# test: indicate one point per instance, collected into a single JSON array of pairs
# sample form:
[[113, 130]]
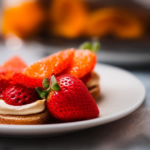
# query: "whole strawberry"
[[69, 99], [18, 95]]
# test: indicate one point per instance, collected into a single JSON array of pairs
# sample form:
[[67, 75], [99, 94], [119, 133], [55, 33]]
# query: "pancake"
[[93, 85], [95, 92], [35, 119]]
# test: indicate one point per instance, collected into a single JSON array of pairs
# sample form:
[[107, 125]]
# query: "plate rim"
[[86, 123]]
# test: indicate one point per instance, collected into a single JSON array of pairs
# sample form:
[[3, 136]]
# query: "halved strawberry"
[[18, 95]]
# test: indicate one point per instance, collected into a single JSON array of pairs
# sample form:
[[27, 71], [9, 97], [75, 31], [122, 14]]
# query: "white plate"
[[121, 94]]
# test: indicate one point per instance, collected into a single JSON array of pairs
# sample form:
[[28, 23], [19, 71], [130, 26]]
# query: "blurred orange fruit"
[[127, 25], [67, 17], [99, 22], [23, 20], [113, 21]]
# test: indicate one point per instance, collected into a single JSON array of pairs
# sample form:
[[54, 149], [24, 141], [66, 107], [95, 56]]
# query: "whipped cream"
[[28, 109]]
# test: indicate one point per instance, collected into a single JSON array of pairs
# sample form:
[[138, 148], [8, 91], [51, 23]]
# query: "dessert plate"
[[121, 94]]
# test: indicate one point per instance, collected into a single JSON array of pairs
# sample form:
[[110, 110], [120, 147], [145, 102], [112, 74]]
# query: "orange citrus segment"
[[55, 63], [82, 63]]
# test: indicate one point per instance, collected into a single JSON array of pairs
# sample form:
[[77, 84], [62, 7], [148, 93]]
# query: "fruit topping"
[[4, 83], [18, 95], [2, 71], [83, 63], [55, 63], [14, 64], [20, 78], [68, 99]]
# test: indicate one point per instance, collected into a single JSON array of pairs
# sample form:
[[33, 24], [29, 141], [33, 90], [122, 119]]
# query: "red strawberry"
[[4, 82], [3, 85], [18, 95], [27, 81], [69, 99]]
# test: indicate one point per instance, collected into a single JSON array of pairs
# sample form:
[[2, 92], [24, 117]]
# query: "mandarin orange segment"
[[82, 63], [55, 63], [14, 64]]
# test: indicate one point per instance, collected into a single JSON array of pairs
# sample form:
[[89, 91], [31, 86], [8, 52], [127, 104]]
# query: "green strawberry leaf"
[[54, 84], [95, 46], [42, 93], [45, 83], [86, 45]]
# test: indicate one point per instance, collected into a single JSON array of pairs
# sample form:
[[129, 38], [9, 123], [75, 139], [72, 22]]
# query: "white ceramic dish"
[[121, 94]]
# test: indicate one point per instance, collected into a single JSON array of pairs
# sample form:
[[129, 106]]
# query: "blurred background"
[[36, 28]]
